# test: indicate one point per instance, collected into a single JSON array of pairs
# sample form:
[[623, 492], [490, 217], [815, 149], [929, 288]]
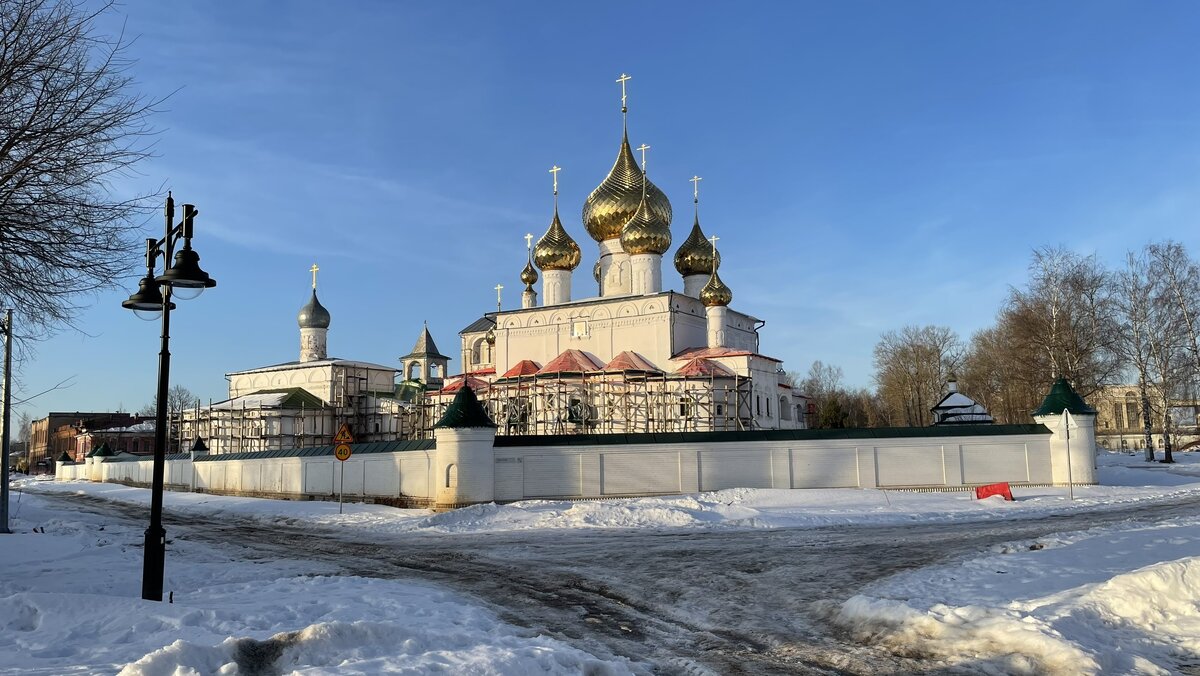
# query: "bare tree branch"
[[69, 126]]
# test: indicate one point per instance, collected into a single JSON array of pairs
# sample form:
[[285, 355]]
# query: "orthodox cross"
[[499, 288], [695, 188], [554, 170], [644, 148], [714, 239], [623, 79], [528, 242], [313, 270]]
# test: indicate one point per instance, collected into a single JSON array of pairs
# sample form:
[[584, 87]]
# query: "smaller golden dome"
[[490, 336], [556, 250], [646, 233], [529, 276], [596, 271], [695, 256], [615, 201], [715, 293]]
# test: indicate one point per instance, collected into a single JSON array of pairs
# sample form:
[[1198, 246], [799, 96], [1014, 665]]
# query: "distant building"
[[56, 434], [1119, 423], [136, 438], [957, 408]]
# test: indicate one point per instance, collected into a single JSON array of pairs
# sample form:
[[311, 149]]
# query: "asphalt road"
[[673, 602]]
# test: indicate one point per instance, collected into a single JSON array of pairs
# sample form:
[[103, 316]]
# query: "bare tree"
[[1179, 280], [911, 368], [1133, 294], [1065, 321], [179, 399], [997, 373], [70, 126]]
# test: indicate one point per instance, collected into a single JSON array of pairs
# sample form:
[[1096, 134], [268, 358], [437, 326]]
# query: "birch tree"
[[1133, 299], [1065, 320]]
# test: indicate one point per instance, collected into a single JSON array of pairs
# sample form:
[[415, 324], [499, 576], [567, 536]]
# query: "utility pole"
[[5, 418]]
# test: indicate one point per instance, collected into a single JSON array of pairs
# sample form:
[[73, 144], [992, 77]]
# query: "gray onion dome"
[[313, 315]]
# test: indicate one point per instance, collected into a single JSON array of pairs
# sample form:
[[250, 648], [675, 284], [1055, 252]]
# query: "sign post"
[[342, 452]]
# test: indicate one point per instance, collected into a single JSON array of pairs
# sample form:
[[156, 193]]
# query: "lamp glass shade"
[[186, 292]]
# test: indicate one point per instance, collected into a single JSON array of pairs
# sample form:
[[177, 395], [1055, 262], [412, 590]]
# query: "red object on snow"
[[989, 490]]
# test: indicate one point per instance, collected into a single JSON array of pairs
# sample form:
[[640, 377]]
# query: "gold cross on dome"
[[528, 241], [714, 239], [623, 79], [643, 148], [313, 270], [696, 187], [499, 288], [554, 170]]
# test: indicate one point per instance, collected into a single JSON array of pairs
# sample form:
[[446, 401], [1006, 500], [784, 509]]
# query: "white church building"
[[628, 353]]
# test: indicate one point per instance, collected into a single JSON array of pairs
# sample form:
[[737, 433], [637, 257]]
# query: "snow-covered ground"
[[1118, 600]]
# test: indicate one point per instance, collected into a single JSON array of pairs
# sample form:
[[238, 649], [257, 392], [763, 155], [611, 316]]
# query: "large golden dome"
[[556, 250], [645, 233], [715, 293], [614, 202], [695, 256]]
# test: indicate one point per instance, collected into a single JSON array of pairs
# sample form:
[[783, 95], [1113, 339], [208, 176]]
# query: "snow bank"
[[70, 603], [1065, 608]]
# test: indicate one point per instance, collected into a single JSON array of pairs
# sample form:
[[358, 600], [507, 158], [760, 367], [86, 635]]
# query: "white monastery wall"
[[483, 472]]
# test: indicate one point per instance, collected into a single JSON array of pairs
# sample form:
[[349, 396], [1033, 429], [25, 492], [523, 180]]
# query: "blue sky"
[[867, 165]]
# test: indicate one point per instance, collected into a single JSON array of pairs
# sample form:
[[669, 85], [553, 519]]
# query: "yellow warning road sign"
[[341, 452], [343, 435]]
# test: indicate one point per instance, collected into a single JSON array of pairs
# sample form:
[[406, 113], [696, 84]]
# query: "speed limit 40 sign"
[[342, 452]]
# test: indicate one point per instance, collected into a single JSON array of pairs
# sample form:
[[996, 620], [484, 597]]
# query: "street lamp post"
[[181, 277], [5, 419]]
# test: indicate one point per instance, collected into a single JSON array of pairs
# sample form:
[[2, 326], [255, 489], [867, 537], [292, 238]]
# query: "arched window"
[[414, 370], [477, 351], [768, 407], [451, 476], [785, 411]]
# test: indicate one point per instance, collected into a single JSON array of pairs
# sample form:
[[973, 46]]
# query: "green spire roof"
[[465, 411], [101, 451], [65, 457], [1063, 397]]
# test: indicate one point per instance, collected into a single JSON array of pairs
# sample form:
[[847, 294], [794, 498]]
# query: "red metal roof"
[[525, 367], [703, 367], [708, 352], [476, 384], [571, 361], [630, 361]]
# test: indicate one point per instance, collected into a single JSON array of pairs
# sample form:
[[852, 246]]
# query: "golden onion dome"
[[529, 275], [715, 293], [556, 250], [614, 202], [696, 256], [596, 272], [645, 233]]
